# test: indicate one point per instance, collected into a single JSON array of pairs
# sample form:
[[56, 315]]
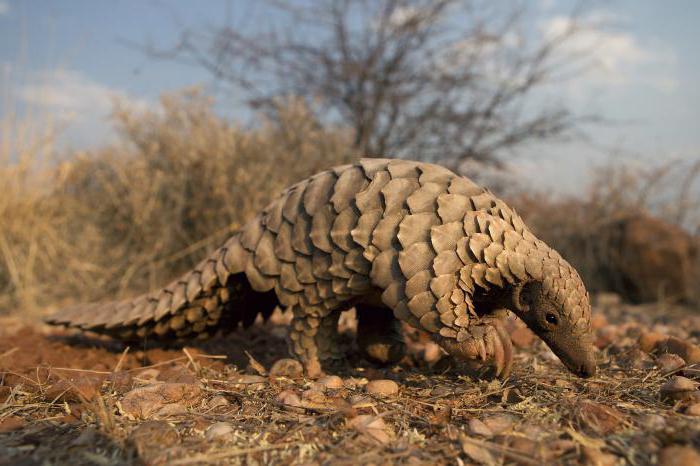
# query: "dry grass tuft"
[[129, 217]]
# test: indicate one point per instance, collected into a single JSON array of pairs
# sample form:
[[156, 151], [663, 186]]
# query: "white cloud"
[[618, 57], [4, 7], [76, 103]]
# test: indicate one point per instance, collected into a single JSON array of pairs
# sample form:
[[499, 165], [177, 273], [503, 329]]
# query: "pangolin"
[[400, 241]]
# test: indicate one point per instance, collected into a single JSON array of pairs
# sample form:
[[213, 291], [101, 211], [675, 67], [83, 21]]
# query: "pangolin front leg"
[[488, 342]]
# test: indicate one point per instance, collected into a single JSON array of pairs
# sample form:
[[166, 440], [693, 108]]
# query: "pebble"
[[151, 438], [383, 387], [11, 423], [151, 399], [652, 421], [149, 374], [170, 410], [250, 382], [499, 423], [678, 388], [218, 430], [598, 320], [218, 401], [289, 398], [675, 455], [668, 362], [287, 367], [693, 410], [477, 427], [331, 382], [441, 390], [686, 350], [649, 340], [314, 396]]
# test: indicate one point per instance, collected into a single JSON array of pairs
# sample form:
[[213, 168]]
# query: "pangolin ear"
[[524, 296]]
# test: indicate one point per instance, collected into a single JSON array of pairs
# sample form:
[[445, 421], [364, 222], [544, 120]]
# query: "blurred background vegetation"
[[396, 78]]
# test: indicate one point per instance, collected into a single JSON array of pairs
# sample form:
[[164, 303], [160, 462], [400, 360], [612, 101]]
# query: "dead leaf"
[[599, 418], [372, 427]]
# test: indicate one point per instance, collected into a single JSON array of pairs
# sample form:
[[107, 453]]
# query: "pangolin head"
[[557, 309]]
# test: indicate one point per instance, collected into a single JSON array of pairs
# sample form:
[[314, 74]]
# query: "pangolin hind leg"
[[379, 335], [314, 340]]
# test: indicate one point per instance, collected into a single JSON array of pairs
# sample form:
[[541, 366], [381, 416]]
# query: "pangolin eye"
[[551, 318]]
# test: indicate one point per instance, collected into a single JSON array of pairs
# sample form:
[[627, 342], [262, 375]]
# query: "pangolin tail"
[[196, 305]]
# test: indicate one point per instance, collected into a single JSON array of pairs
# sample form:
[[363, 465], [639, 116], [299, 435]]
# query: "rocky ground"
[[72, 400]]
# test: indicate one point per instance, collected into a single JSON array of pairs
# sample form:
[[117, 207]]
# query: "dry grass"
[[541, 415], [130, 217]]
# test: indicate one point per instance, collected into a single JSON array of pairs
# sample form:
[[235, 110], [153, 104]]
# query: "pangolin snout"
[[581, 362]]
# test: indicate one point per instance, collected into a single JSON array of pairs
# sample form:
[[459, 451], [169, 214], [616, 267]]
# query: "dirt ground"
[[67, 399]]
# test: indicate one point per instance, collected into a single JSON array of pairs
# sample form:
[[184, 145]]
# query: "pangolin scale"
[[395, 239]]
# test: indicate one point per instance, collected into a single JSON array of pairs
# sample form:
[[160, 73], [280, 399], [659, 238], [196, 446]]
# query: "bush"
[[631, 234], [132, 216]]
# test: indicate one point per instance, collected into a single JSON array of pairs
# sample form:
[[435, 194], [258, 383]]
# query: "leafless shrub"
[[635, 232], [131, 216], [451, 80]]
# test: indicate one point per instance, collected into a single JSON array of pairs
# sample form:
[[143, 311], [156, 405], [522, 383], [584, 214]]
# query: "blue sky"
[[68, 59]]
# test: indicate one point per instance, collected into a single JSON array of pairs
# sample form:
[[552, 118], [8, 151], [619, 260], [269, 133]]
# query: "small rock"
[[606, 337], [289, 398], [499, 423], [11, 423], [598, 320], [372, 427], [383, 387], [287, 367], [441, 415], [151, 438], [526, 446], [686, 350], [652, 422], [218, 401], [170, 410], [441, 390], [599, 418], [693, 410], [178, 374], [595, 457], [250, 382], [144, 401], [121, 381], [606, 299], [636, 359], [522, 337], [676, 455], [149, 374], [669, 362], [649, 340], [314, 396], [218, 430], [331, 382], [75, 389], [678, 388], [354, 382], [475, 450], [477, 427]]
